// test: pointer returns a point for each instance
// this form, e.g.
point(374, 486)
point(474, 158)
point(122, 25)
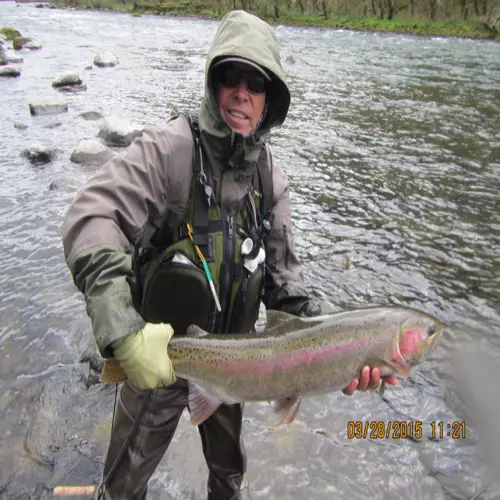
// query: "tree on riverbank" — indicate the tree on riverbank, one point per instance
point(473, 18)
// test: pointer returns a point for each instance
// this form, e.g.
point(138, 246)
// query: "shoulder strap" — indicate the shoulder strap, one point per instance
point(200, 205)
point(193, 118)
point(264, 167)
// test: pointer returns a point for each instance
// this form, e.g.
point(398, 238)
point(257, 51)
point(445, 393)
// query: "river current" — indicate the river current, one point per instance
point(392, 149)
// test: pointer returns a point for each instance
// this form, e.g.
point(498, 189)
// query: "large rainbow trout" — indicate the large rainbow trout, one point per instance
point(293, 358)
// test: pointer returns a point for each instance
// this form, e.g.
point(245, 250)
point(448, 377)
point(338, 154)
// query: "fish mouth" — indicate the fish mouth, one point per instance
point(434, 333)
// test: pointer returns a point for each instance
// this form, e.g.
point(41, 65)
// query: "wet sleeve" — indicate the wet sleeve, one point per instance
point(284, 287)
point(101, 226)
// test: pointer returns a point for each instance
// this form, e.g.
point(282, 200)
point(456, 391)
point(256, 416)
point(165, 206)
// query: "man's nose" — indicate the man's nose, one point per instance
point(241, 89)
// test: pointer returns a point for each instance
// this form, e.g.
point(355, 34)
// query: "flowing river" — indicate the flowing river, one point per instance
point(392, 148)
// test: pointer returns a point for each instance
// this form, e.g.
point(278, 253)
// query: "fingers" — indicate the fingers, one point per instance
point(369, 379)
point(390, 379)
point(349, 390)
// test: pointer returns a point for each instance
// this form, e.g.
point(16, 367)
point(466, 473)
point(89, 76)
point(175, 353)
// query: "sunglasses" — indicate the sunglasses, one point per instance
point(230, 76)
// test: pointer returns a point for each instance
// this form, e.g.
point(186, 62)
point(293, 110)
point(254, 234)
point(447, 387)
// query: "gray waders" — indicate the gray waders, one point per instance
point(153, 417)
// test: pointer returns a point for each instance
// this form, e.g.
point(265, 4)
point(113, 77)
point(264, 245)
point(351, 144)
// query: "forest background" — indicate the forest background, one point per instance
point(464, 18)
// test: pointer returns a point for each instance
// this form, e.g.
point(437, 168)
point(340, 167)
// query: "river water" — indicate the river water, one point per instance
point(392, 148)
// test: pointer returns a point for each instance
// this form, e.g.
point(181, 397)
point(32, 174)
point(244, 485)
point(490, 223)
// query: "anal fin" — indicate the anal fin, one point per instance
point(201, 404)
point(286, 410)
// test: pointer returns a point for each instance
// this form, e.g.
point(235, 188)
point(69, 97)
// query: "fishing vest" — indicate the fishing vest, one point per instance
point(207, 267)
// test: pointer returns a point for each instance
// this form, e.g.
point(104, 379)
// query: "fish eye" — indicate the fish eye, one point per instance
point(431, 330)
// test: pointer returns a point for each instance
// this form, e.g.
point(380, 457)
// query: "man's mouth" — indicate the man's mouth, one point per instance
point(237, 114)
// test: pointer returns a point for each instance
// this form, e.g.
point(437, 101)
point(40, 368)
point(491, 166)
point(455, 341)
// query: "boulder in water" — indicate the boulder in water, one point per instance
point(66, 79)
point(91, 151)
point(48, 107)
point(19, 42)
point(9, 33)
point(105, 58)
point(116, 131)
point(12, 57)
point(33, 45)
point(3, 56)
point(10, 71)
point(38, 154)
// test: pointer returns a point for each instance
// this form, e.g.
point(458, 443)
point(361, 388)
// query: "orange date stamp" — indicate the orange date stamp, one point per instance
point(402, 429)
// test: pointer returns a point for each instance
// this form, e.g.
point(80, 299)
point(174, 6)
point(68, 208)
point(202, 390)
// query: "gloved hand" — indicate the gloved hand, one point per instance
point(144, 357)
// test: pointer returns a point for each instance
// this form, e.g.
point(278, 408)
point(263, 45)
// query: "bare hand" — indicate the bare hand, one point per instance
point(369, 379)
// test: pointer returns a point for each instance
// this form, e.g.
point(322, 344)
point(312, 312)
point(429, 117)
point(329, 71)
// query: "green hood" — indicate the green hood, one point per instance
point(243, 35)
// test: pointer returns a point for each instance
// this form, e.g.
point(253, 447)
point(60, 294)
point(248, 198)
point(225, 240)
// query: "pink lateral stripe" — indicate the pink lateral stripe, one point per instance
point(287, 362)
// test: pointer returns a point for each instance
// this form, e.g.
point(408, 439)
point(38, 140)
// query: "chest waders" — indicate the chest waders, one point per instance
point(170, 283)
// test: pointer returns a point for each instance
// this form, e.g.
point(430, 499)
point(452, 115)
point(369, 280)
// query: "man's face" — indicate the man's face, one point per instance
point(241, 96)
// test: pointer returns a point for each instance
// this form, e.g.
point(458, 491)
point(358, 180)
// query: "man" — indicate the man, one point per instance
point(228, 207)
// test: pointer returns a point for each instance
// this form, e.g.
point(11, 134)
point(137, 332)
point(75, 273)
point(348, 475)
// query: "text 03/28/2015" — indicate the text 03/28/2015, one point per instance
point(403, 429)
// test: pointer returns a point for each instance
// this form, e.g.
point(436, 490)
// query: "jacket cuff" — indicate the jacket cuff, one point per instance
point(113, 318)
point(294, 299)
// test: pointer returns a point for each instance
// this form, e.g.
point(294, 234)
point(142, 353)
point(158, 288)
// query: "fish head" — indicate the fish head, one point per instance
point(418, 335)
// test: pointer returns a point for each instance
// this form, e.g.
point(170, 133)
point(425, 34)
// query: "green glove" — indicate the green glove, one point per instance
point(144, 357)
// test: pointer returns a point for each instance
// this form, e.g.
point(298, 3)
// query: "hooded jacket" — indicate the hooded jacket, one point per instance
point(108, 216)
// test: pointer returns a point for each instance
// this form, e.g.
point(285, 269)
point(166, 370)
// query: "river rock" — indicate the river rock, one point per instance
point(66, 79)
point(116, 131)
point(19, 42)
point(38, 154)
point(91, 115)
point(105, 58)
point(33, 45)
point(9, 33)
point(12, 57)
point(11, 71)
point(53, 125)
point(48, 107)
point(3, 38)
point(20, 126)
point(73, 89)
point(91, 151)
point(3, 56)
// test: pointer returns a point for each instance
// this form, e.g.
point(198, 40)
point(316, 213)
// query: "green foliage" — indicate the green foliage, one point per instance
point(10, 33)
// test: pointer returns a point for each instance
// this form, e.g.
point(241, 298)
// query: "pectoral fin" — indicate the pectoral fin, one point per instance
point(286, 410)
point(400, 367)
point(201, 404)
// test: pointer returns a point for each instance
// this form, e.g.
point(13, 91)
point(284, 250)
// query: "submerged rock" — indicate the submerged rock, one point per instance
point(48, 107)
point(53, 125)
point(38, 154)
point(10, 71)
point(91, 115)
point(105, 58)
point(91, 151)
point(20, 126)
point(116, 131)
point(73, 89)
